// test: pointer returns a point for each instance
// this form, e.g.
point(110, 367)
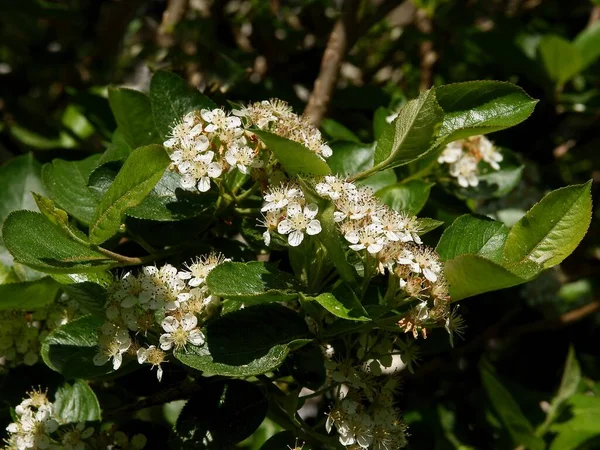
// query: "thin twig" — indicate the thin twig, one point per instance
point(171, 17)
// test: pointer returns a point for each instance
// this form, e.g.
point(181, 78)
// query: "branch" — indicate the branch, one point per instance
point(171, 17)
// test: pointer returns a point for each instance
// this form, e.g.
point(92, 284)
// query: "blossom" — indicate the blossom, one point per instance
point(200, 268)
point(489, 153)
point(217, 119)
point(369, 237)
point(334, 187)
point(465, 170)
point(199, 171)
point(278, 197)
point(179, 333)
point(154, 356)
point(242, 157)
point(298, 221)
point(113, 342)
point(452, 152)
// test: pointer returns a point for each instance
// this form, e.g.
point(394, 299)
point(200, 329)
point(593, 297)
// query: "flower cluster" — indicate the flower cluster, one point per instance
point(37, 427)
point(22, 332)
point(287, 212)
point(134, 300)
point(364, 414)
point(203, 144)
point(390, 239)
point(277, 117)
point(464, 156)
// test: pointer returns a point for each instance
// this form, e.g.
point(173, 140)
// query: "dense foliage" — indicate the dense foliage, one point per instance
point(187, 261)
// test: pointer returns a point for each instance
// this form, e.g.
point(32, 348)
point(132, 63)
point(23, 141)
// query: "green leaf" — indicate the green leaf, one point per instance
point(581, 426)
point(90, 297)
point(410, 135)
point(36, 242)
point(344, 304)
point(133, 114)
point(240, 345)
point(119, 149)
point(350, 158)
point(252, 282)
point(295, 158)
point(307, 366)
point(220, 415)
point(480, 107)
point(70, 349)
point(552, 229)
point(66, 182)
point(560, 58)
point(337, 131)
point(508, 411)
point(141, 171)
point(169, 202)
point(380, 121)
point(58, 217)
point(426, 225)
point(469, 275)
point(587, 44)
point(28, 295)
point(473, 235)
point(74, 403)
point(409, 197)
point(172, 98)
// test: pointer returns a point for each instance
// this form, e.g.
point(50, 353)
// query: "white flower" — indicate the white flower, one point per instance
point(298, 221)
point(112, 346)
point(199, 171)
point(422, 261)
point(186, 129)
point(278, 197)
point(489, 153)
point(200, 268)
point(465, 170)
point(334, 187)
point(217, 120)
point(154, 356)
point(369, 237)
point(325, 151)
point(179, 333)
point(241, 156)
point(452, 152)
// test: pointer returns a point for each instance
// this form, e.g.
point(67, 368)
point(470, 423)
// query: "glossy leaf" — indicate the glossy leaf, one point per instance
point(36, 242)
point(222, 414)
point(141, 171)
point(66, 182)
point(172, 98)
point(28, 295)
point(239, 344)
point(560, 58)
point(473, 235)
point(132, 112)
point(410, 135)
point(90, 297)
point(295, 158)
point(552, 229)
point(408, 198)
point(508, 411)
point(426, 225)
point(70, 349)
point(480, 107)
point(342, 303)
point(74, 403)
point(350, 158)
point(252, 282)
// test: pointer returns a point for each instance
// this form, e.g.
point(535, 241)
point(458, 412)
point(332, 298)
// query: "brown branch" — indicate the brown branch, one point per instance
point(171, 17)
point(594, 16)
point(427, 54)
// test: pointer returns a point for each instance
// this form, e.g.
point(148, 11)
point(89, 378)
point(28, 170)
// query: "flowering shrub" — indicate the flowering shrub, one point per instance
point(256, 269)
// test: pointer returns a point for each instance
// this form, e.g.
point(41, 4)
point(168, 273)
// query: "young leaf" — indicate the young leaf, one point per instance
point(66, 182)
point(473, 235)
point(70, 349)
point(344, 304)
point(171, 98)
point(222, 413)
point(295, 158)
point(141, 171)
point(133, 114)
point(480, 107)
point(426, 225)
point(410, 135)
point(252, 282)
point(552, 229)
point(76, 403)
point(508, 411)
point(408, 197)
point(28, 295)
point(239, 344)
point(36, 242)
point(560, 58)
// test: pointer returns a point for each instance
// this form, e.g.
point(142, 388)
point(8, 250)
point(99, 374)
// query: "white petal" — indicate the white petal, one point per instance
point(117, 360)
point(295, 238)
point(159, 373)
point(214, 170)
point(267, 238)
point(201, 143)
point(196, 337)
point(293, 209)
point(314, 227)
point(204, 184)
point(187, 181)
point(284, 227)
point(310, 211)
point(166, 341)
point(142, 355)
point(189, 322)
point(100, 359)
point(129, 301)
point(357, 247)
point(430, 275)
point(170, 324)
point(374, 248)
point(352, 237)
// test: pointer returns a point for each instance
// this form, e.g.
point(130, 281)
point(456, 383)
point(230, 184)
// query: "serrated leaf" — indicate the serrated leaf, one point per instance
point(295, 158)
point(222, 414)
point(172, 98)
point(425, 225)
point(552, 229)
point(587, 44)
point(70, 349)
point(28, 295)
point(508, 411)
point(66, 182)
point(408, 198)
point(141, 171)
point(239, 344)
point(343, 303)
point(36, 242)
point(252, 282)
point(74, 403)
point(133, 114)
point(473, 235)
point(560, 58)
point(480, 107)
point(410, 135)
